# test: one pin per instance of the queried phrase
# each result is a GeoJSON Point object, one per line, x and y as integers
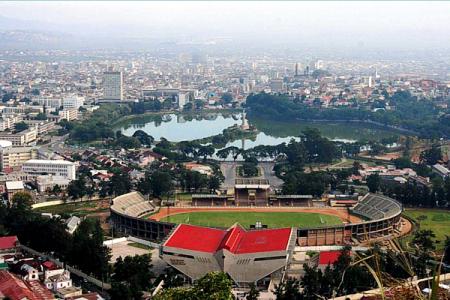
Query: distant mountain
{"type": "Point", "coordinates": [31, 39]}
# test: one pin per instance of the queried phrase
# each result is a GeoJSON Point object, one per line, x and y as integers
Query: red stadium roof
{"type": "Point", "coordinates": [236, 239]}
{"type": "Point", "coordinates": [196, 238]}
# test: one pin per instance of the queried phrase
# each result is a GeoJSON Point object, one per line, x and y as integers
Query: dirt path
{"type": "Point", "coordinates": [341, 213]}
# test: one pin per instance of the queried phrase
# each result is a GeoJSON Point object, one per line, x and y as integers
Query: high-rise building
{"type": "Point", "coordinates": [73, 102]}
{"type": "Point", "coordinates": [113, 86]}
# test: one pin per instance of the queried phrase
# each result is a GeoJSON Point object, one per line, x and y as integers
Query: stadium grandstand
{"type": "Point", "coordinates": [374, 206]}
{"type": "Point", "coordinates": [132, 204]}
{"type": "Point", "coordinates": [381, 219]}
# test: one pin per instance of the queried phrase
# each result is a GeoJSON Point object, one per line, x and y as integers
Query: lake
{"type": "Point", "coordinates": [181, 127]}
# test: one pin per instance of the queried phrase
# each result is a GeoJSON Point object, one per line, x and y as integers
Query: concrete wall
{"type": "Point", "coordinates": [194, 264]}
{"type": "Point", "coordinates": [244, 267]}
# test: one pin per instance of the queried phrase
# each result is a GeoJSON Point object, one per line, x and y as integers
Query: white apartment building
{"type": "Point", "coordinates": [21, 138]}
{"type": "Point", "coordinates": [68, 114]}
{"type": "Point", "coordinates": [15, 157]}
{"type": "Point", "coordinates": [61, 168]}
{"type": "Point", "coordinates": [48, 101]}
{"type": "Point", "coordinates": [73, 102]}
{"type": "Point", "coordinates": [113, 86]}
{"type": "Point", "coordinates": [6, 123]}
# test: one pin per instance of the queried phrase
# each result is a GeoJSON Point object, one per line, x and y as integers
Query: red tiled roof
{"type": "Point", "coordinates": [196, 238]}
{"type": "Point", "coordinates": [14, 288]}
{"type": "Point", "coordinates": [236, 239]}
{"type": "Point", "coordinates": [263, 241]}
{"type": "Point", "coordinates": [49, 265]}
{"type": "Point", "coordinates": [328, 257]}
{"type": "Point", "coordinates": [8, 242]}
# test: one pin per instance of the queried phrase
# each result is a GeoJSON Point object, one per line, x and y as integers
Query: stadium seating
{"type": "Point", "coordinates": [374, 206]}
{"type": "Point", "coordinates": [132, 204]}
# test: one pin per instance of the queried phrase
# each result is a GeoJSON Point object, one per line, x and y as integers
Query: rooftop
{"type": "Point", "coordinates": [48, 161]}
{"type": "Point", "coordinates": [14, 185]}
{"type": "Point", "coordinates": [236, 239]}
{"type": "Point", "coordinates": [196, 238]}
{"type": "Point", "coordinates": [8, 242]}
{"type": "Point", "coordinates": [328, 257]}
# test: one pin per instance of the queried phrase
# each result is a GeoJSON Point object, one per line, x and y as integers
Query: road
{"type": "Point", "coordinates": [229, 171]}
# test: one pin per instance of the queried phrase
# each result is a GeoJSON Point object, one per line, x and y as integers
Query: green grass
{"type": "Point", "coordinates": [141, 246]}
{"type": "Point", "coordinates": [271, 219]}
{"type": "Point", "coordinates": [79, 208]}
{"type": "Point", "coordinates": [436, 220]}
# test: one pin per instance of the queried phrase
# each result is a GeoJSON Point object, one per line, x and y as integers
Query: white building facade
{"type": "Point", "coordinates": [62, 168]}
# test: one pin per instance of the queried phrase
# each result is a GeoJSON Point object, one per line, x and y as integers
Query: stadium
{"type": "Point", "coordinates": [195, 243]}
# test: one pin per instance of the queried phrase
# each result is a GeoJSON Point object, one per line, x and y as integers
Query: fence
{"type": "Point", "coordinates": [77, 272]}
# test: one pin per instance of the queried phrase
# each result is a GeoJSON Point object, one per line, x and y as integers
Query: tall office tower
{"type": "Point", "coordinates": [113, 86]}
{"type": "Point", "coordinates": [318, 65]}
{"type": "Point", "coordinates": [296, 69]}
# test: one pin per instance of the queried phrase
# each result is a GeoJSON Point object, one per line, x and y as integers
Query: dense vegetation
{"type": "Point", "coordinates": [410, 113]}
{"type": "Point", "coordinates": [98, 125]}
{"type": "Point", "coordinates": [84, 249]}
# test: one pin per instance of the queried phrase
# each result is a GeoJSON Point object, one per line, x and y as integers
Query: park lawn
{"type": "Point", "coordinates": [434, 219]}
{"type": "Point", "coordinates": [271, 219]}
{"type": "Point", "coordinates": [79, 209]}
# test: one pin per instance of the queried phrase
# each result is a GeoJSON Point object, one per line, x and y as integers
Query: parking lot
{"type": "Point", "coordinates": [123, 249]}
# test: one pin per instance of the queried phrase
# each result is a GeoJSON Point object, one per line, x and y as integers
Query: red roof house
{"type": "Point", "coordinates": [8, 244]}
{"type": "Point", "coordinates": [328, 258]}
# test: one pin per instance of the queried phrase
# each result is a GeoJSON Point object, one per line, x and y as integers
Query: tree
{"type": "Point", "coordinates": [402, 162]}
{"type": "Point", "coordinates": [227, 98]}
{"type": "Point", "coordinates": [133, 273]}
{"type": "Point", "coordinates": [447, 250]}
{"type": "Point", "coordinates": [88, 252]}
{"type": "Point", "coordinates": [253, 294]}
{"type": "Point", "coordinates": [21, 126]}
{"type": "Point", "coordinates": [161, 183]}
{"type": "Point", "coordinates": [22, 201]}
{"type": "Point", "coordinates": [214, 182]}
{"type": "Point", "coordinates": [206, 151]}
{"type": "Point", "coordinates": [56, 189]}
{"type": "Point", "coordinates": [424, 240]}
{"type": "Point", "coordinates": [76, 188]}
{"type": "Point", "coordinates": [373, 182]}
{"type": "Point", "coordinates": [288, 290]}
{"type": "Point", "coordinates": [432, 155]}
{"type": "Point", "coordinates": [41, 116]}
{"type": "Point", "coordinates": [214, 286]}
{"type": "Point", "coordinates": [8, 96]}
{"type": "Point", "coordinates": [120, 183]}
{"type": "Point", "coordinates": [143, 137]}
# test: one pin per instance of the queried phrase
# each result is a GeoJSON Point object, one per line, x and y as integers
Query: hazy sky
{"type": "Point", "coordinates": [419, 24]}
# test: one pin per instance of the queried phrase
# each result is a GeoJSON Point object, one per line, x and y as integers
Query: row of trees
{"type": "Point", "coordinates": [161, 182]}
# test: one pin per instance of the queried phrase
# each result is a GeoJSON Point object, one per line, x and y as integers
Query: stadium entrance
{"type": "Point", "coordinates": [251, 192]}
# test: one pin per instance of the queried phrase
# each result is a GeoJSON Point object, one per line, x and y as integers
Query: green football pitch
{"type": "Point", "coordinates": [271, 219]}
